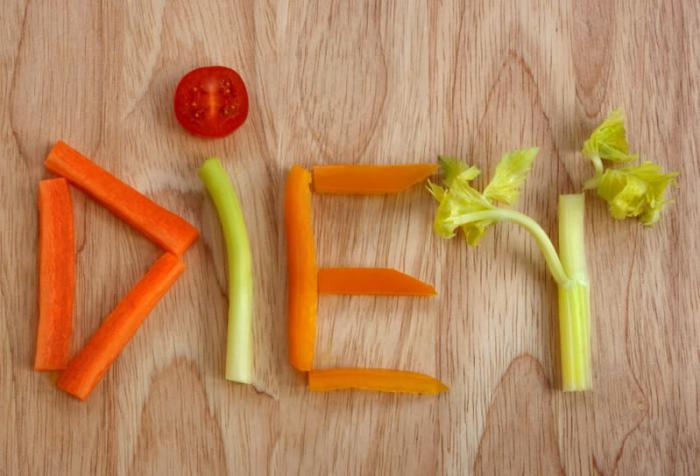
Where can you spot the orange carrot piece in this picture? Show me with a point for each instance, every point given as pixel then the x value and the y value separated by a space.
pixel 371 281
pixel 377 380
pixel 161 226
pixel 87 368
pixel 56 275
pixel 301 266
pixel 369 179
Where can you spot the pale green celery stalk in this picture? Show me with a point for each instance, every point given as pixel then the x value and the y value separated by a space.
pixel 541 238
pixel 574 301
pixel 239 342
pixel 568 268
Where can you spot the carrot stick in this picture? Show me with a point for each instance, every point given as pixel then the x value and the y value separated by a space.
pixel 86 369
pixel 56 275
pixel 301 266
pixel 371 281
pixel 378 380
pixel 369 179
pixel 158 224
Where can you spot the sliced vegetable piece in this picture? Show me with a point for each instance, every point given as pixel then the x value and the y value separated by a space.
pixel 377 380
pixel 574 297
pixel 239 342
pixel 86 369
pixel 56 275
pixel 369 179
pixel 211 101
pixel 155 222
pixel 302 271
pixel 371 281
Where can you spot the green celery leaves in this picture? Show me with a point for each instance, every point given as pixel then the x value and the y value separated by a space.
pixel 637 191
pixel 458 198
pixel 609 140
pixel 634 191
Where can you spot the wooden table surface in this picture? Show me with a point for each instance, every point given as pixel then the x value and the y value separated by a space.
pixel 359 82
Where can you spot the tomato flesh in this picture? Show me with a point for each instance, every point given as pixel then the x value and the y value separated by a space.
pixel 211 101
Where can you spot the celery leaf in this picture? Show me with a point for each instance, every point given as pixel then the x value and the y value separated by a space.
pixel 637 191
pixel 609 140
pixel 455 169
pixel 458 198
pixel 510 175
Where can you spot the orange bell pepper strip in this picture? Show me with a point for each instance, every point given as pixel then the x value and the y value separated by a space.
pixel 371 281
pixel 378 380
pixel 369 179
pixel 301 268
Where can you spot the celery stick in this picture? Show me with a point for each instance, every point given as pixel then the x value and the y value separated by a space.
pixel 569 271
pixel 574 307
pixel 239 343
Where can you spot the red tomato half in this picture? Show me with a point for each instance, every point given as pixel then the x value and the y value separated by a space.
pixel 211 101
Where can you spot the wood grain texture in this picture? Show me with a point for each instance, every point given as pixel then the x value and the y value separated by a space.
pixel 373 83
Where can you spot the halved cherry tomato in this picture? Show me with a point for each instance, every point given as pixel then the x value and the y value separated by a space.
pixel 211 101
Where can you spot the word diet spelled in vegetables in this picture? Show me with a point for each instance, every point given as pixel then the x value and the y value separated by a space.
pixel 213 102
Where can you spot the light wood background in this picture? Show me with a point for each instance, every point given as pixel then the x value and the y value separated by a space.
pixel 360 82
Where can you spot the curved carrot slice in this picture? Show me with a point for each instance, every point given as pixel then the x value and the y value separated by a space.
pixel 378 380
pixel 155 222
pixel 369 179
pixel 56 275
pixel 87 368
pixel 371 281
pixel 301 266
pixel 239 340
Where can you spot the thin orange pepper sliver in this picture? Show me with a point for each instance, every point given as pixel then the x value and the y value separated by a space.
pixel 371 281
pixel 377 380
pixel 369 179
pixel 302 271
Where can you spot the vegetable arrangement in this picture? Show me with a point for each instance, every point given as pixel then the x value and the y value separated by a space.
pixel 630 192
pixel 210 102
pixel 306 281
pixel 213 102
pixel 57 268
